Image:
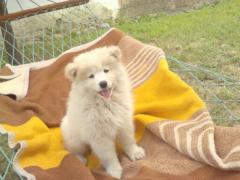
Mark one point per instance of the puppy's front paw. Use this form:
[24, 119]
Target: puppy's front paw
[136, 152]
[115, 171]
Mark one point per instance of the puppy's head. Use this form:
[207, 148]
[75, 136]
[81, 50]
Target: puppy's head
[96, 71]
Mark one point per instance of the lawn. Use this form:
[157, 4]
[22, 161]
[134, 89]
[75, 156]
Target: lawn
[208, 37]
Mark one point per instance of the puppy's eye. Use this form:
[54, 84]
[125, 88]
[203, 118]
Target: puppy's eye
[106, 70]
[91, 76]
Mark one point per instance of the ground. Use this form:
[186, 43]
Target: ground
[207, 37]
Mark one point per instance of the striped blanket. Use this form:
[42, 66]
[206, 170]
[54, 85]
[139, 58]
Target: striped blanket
[172, 122]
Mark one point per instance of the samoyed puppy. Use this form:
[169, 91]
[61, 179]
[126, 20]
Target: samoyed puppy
[100, 108]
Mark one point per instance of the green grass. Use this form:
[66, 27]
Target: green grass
[208, 37]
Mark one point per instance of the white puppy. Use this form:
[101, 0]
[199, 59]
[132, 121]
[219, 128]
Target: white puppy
[100, 108]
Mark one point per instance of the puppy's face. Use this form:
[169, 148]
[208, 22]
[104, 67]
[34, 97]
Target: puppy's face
[96, 71]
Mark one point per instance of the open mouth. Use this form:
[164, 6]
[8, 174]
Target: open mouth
[106, 93]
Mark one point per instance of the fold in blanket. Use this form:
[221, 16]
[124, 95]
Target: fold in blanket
[172, 122]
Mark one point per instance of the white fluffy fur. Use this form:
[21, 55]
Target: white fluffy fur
[94, 121]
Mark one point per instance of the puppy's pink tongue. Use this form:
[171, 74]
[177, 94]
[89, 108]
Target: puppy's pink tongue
[106, 93]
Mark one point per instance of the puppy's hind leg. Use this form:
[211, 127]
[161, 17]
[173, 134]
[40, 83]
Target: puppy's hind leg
[79, 149]
[126, 138]
[82, 150]
[106, 152]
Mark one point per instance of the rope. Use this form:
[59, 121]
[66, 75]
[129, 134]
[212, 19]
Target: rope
[9, 158]
[219, 101]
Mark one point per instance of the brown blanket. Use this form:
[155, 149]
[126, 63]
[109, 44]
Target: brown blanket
[172, 122]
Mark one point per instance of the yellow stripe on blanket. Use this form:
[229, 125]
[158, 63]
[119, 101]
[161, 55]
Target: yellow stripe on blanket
[44, 145]
[163, 96]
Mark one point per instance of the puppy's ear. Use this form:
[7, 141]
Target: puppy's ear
[115, 52]
[71, 71]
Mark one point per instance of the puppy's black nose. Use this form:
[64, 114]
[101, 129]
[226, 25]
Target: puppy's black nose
[103, 84]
